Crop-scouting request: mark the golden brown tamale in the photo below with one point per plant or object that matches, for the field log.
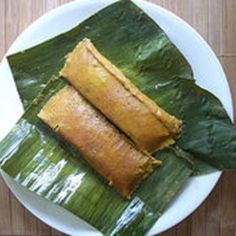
(104, 85)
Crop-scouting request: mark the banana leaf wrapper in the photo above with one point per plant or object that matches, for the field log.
(121, 32)
(40, 160)
(105, 148)
(106, 87)
(137, 46)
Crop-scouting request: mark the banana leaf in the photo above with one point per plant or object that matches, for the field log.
(41, 161)
(142, 51)
(208, 136)
(208, 133)
(122, 32)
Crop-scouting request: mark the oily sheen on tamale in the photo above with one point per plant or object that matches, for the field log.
(104, 147)
(104, 85)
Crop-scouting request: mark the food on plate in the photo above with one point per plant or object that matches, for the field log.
(47, 165)
(106, 87)
(102, 145)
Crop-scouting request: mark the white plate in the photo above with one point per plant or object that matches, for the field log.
(208, 73)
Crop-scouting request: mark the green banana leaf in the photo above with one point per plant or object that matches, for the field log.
(41, 161)
(122, 32)
(208, 136)
(140, 48)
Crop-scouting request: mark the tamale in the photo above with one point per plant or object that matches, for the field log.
(102, 145)
(104, 85)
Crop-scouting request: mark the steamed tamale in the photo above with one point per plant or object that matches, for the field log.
(103, 146)
(97, 79)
